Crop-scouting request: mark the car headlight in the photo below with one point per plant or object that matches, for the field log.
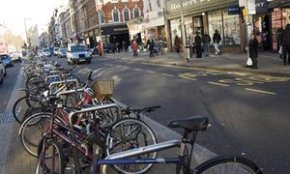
(69, 55)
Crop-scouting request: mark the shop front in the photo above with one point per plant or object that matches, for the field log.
(206, 16)
(279, 17)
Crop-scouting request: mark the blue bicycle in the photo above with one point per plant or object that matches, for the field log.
(191, 126)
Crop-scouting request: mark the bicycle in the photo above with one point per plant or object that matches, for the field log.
(72, 142)
(191, 126)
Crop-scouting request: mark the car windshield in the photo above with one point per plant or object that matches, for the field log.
(4, 56)
(63, 50)
(77, 48)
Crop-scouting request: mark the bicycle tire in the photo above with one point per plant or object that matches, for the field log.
(20, 108)
(43, 163)
(32, 129)
(132, 128)
(232, 164)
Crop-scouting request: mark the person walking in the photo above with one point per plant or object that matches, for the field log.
(150, 46)
(253, 50)
(177, 43)
(197, 41)
(134, 47)
(216, 41)
(206, 42)
(279, 38)
(286, 44)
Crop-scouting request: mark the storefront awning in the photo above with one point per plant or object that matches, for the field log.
(113, 30)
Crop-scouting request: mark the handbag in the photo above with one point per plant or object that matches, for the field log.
(249, 62)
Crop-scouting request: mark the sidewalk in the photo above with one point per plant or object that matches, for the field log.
(268, 63)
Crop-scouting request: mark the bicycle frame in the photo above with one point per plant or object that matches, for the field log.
(122, 157)
(52, 131)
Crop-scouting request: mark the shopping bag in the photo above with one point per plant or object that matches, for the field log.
(281, 50)
(249, 62)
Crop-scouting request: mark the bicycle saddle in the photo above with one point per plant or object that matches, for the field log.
(193, 123)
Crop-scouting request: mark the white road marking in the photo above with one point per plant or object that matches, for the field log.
(260, 91)
(151, 72)
(219, 84)
(138, 69)
(168, 75)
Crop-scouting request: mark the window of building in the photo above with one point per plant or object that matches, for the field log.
(215, 23)
(231, 29)
(136, 12)
(101, 17)
(126, 14)
(116, 16)
(227, 25)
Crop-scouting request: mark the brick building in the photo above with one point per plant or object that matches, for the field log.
(94, 20)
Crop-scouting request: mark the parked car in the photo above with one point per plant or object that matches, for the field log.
(6, 59)
(16, 56)
(78, 53)
(55, 51)
(46, 52)
(61, 52)
(2, 71)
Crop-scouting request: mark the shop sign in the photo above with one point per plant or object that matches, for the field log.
(175, 5)
(261, 6)
(251, 6)
(242, 3)
(234, 10)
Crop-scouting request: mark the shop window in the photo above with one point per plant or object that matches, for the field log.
(231, 29)
(215, 23)
(126, 14)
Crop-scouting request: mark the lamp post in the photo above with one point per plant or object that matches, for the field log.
(183, 29)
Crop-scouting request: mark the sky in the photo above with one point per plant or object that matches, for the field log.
(13, 13)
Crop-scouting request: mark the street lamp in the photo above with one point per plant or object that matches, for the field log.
(182, 27)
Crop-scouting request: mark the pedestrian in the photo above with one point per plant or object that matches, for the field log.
(124, 46)
(279, 38)
(197, 41)
(114, 49)
(177, 44)
(150, 46)
(253, 50)
(216, 41)
(206, 43)
(286, 44)
(134, 47)
(161, 46)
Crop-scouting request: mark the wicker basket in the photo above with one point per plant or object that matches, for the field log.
(103, 89)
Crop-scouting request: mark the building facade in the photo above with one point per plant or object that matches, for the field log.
(231, 20)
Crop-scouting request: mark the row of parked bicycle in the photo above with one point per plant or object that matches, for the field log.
(76, 127)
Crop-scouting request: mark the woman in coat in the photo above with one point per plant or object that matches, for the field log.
(177, 43)
(253, 50)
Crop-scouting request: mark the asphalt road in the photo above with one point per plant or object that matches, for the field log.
(249, 115)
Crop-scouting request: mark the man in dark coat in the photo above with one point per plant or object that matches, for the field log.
(286, 44)
(216, 41)
(197, 41)
(253, 50)
(150, 45)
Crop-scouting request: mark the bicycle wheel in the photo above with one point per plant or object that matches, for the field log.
(130, 133)
(234, 164)
(32, 130)
(51, 158)
(21, 109)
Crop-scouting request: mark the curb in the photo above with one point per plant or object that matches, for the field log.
(248, 71)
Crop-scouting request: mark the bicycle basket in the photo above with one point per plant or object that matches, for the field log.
(103, 89)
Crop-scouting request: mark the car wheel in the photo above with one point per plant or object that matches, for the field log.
(89, 61)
